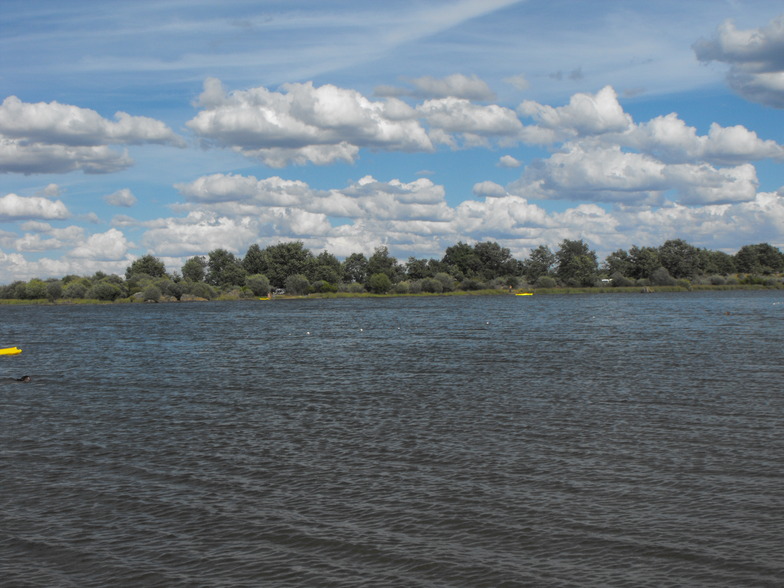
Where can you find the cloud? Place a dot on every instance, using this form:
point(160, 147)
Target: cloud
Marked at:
point(123, 198)
point(755, 56)
point(585, 115)
point(488, 188)
point(58, 138)
point(509, 161)
point(519, 81)
point(109, 246)
point(475, 123)
point(452, 86)
point(14, 207)
point(671, 140)
point(304, 124)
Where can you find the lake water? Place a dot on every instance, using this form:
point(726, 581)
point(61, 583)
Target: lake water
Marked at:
point(588, 440)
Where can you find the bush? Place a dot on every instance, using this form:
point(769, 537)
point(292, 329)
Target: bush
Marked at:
point(661, 277)
point(545, 282)
point(259, 284)
point(620, 281)
point(297, 285)
point(151, 294)
point(447, 281)
point(431, 285)
point(352, 288)
point(201, 290)
point(471, 284)
point(104, 290)
point(401, 288)
point(322, 286)
point(74, 289)
point(379, 283)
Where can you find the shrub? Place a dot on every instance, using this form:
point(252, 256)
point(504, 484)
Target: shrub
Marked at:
point(661, 277)
point(151, 294)
point(545, 282)
point(201, 290)
point(401, 288)
point(352, 288)
point(297, 285)
point(471, 284)
point(379, 283)
point(259, 284)
point(431, 285)
point(74, 289)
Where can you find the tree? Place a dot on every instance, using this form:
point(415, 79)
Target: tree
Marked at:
point(381, 262)
point(355, 268)
point(254, 261)
point(618, 262)
point(493, 260)
point(416, 269)
point(461, 261)
point(286, 259)
point(325, 267)
point(761, 258)
point(540, 263)
point(644, 261)
point(224, 269)
point(194, 269)
point(679, 258)
point(576, 263)
point(147, 264)
point(717, 262)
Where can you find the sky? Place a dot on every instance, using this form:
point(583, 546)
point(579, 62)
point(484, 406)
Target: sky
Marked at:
point(176, 127)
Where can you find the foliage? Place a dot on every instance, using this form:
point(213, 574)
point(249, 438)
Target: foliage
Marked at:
point(379, 283)
point(355, 268)
point(258, 284)
point(540, 263)
point(195, 269)
point(679, 258)
point(297, 284)
point(151, 293)
point(576, 263)
point(284, 260)
point(147, 264)
point(224, 269)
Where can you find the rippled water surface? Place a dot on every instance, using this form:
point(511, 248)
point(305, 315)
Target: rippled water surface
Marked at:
point(602, 440)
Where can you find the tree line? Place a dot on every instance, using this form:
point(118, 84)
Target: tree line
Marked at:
point(292, 268)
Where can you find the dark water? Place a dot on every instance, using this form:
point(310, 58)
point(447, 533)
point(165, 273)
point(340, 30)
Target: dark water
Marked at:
point(603, 440)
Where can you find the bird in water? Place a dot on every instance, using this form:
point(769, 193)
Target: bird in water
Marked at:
point(23, 379)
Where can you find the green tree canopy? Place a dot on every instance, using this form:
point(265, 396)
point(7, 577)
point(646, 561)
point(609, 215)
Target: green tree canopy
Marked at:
point(286, 259)
point(355, 268)
point(644, 261)
point(195, 269)
point(761, 258)
point(577, 265)
point(147, 264)
point(224, 269)
point(254, 261)
point(381, 262)
point(540, 262)
point(679, 258)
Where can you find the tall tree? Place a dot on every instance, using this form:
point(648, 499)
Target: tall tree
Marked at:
point(254, 261)
point(494, 261)
point(194, 269)
point(644, 261)
point(355, 268)
point(147, 264)
point(761, 258)
point(577, 264)
point(540, 262)
point(284, 260)
point(381, 262)
point(224, 269)
point(461, 261)
point(680, 259)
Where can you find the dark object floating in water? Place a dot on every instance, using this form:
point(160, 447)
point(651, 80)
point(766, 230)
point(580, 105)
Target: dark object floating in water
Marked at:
point(23, 379)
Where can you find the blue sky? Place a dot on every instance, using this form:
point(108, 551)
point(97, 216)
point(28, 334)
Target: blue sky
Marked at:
point(177, 127)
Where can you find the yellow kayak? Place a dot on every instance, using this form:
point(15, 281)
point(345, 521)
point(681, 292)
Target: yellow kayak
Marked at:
point(524, 294)
point(10, 351)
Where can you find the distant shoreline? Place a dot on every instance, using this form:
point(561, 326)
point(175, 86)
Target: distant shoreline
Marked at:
point(488, 292)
